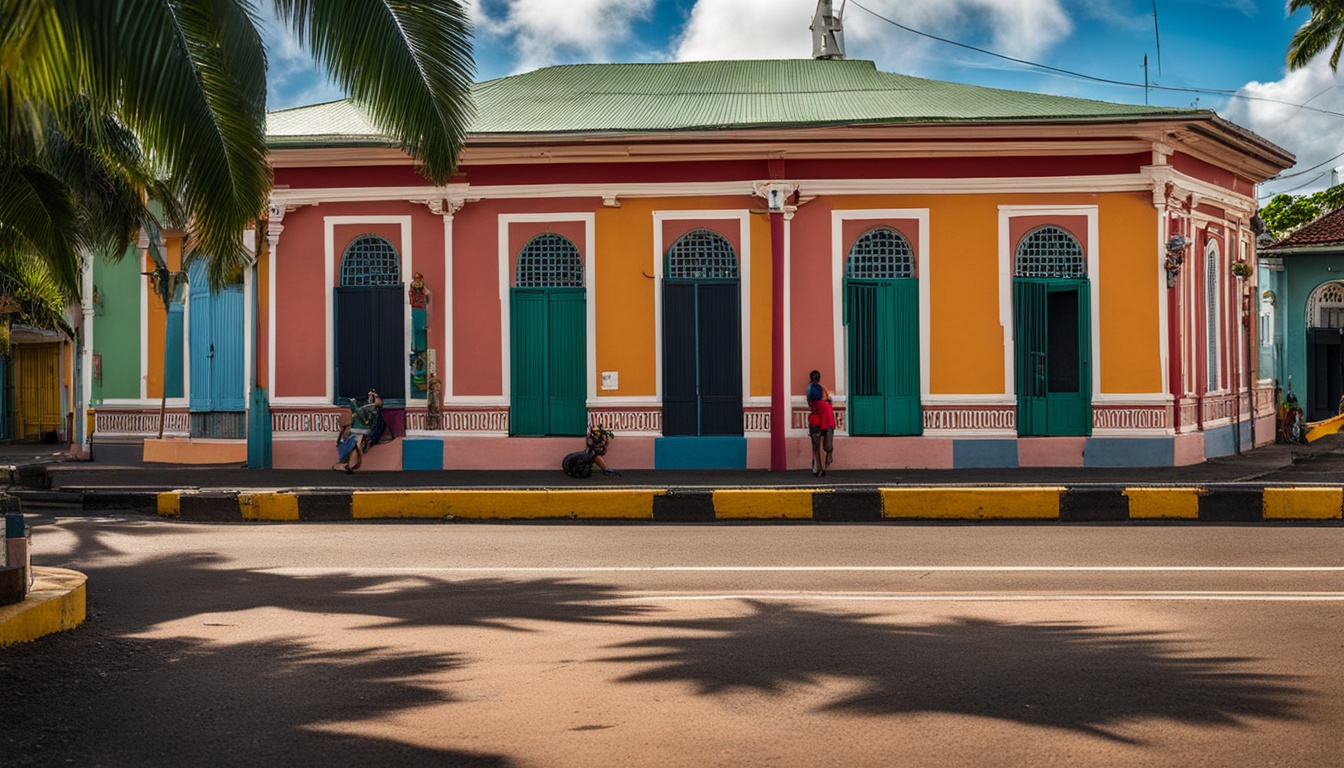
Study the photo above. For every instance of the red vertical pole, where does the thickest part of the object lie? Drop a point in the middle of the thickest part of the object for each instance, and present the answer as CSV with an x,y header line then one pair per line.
x,y
778,395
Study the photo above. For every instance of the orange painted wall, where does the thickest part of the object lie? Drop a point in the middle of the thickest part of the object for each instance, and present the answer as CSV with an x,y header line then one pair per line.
x,y
966,338
1130,302
627,325
627,322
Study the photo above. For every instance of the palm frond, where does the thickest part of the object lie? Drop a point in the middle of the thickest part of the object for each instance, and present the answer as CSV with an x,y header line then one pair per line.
x,y
38,217
408,62
189,78
1322,30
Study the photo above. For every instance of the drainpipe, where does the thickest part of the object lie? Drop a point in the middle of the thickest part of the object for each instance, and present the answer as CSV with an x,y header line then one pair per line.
x,y
776,194
84,399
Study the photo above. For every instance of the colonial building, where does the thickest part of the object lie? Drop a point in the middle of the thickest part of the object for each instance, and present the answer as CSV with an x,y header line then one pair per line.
x,y
1301,308
984,278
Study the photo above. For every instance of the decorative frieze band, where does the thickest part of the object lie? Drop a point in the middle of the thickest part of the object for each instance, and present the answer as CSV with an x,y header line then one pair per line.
x,y
141,423
1131,417
756,420
1218,407
627,419
970,417
306,421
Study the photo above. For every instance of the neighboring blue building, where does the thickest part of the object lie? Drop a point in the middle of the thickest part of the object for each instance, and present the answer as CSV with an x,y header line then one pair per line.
x,y
1302,314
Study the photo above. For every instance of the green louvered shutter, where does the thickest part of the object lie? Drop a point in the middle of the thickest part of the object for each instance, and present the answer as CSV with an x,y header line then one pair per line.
x,y
883,333
1029,348
567,407
527,317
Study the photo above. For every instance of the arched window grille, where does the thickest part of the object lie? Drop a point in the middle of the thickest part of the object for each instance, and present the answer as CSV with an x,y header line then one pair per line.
x,y
549,261
701,255
1325,309
1050,251
1214,304
881,252
370,260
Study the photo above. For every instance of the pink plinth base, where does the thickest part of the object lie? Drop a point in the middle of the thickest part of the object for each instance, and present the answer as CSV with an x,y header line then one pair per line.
x,y
468,452
1189,449
321,454
883,453
1050,451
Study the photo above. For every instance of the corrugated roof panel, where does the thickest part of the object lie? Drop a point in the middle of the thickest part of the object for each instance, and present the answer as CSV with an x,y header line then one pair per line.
x,y
593,98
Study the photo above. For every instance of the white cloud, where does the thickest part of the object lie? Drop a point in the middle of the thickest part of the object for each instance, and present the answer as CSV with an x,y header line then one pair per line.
x,y
293,78
1312,136
544,32
779,29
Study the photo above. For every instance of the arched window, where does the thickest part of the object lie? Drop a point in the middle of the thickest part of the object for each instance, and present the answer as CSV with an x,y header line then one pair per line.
x,y
879,253
1213,299
549,261
370,260
1050,251
701,254
1325,308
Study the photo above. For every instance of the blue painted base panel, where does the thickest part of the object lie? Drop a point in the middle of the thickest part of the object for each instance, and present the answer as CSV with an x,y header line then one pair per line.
x,y
421,453
700,452
1129,452
984,454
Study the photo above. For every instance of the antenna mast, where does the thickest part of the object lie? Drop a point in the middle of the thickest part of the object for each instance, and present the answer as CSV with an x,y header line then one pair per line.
x,y
828,34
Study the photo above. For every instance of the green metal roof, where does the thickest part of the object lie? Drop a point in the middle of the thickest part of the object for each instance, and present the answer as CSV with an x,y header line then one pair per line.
x,y
703,95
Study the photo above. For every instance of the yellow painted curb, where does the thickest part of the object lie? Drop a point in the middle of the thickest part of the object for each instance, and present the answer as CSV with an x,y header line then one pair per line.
x,y
54,604
269,506
170,504
1302,503
1163,503
1025,503
503,505
763,504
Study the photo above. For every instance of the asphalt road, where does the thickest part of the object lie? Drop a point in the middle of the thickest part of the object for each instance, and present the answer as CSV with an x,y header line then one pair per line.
x,y
660,645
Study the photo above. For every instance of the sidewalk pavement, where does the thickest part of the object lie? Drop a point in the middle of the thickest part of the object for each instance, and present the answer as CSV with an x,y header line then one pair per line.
x,y
1274,482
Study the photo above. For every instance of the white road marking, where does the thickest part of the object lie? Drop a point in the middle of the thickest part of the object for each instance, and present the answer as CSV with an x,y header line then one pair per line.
x,y
411,570
992,598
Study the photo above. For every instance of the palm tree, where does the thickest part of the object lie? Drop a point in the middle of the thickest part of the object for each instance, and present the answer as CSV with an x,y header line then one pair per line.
x,y
187,80
1325,28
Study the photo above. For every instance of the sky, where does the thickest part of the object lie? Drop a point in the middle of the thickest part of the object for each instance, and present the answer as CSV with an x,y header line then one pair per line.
x,y
1225,55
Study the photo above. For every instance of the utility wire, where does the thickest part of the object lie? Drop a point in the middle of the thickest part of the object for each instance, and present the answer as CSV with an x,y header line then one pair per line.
x,y
1233,94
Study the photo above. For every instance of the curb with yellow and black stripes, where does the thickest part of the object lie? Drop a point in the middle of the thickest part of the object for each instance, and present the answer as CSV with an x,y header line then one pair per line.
x,y
1209,503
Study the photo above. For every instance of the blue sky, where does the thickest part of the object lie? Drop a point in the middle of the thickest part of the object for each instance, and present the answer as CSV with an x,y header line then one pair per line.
x,y
1235,46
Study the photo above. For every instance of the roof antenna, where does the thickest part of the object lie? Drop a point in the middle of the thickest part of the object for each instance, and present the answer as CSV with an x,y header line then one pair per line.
x,y
828,34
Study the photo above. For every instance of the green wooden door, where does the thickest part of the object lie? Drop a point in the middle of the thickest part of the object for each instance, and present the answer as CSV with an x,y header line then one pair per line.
x,y
1053,343
549,359
883,334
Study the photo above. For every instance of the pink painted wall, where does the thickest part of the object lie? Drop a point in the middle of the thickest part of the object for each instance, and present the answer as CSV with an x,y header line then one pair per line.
x,y
811,306
302,367
477,307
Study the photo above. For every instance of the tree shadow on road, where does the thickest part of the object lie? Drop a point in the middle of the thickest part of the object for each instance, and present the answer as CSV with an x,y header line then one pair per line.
x,y
1061,675
92,697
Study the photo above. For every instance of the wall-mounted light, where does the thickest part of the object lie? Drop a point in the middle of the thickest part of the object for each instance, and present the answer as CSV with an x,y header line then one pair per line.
x,y
1175,257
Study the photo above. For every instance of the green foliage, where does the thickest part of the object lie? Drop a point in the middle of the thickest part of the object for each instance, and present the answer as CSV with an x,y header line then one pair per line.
x,y
93,92
1285,213
1323,30
40,297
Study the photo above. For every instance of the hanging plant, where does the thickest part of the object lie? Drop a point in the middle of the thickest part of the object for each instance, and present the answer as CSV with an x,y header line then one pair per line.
x,y
1241,269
